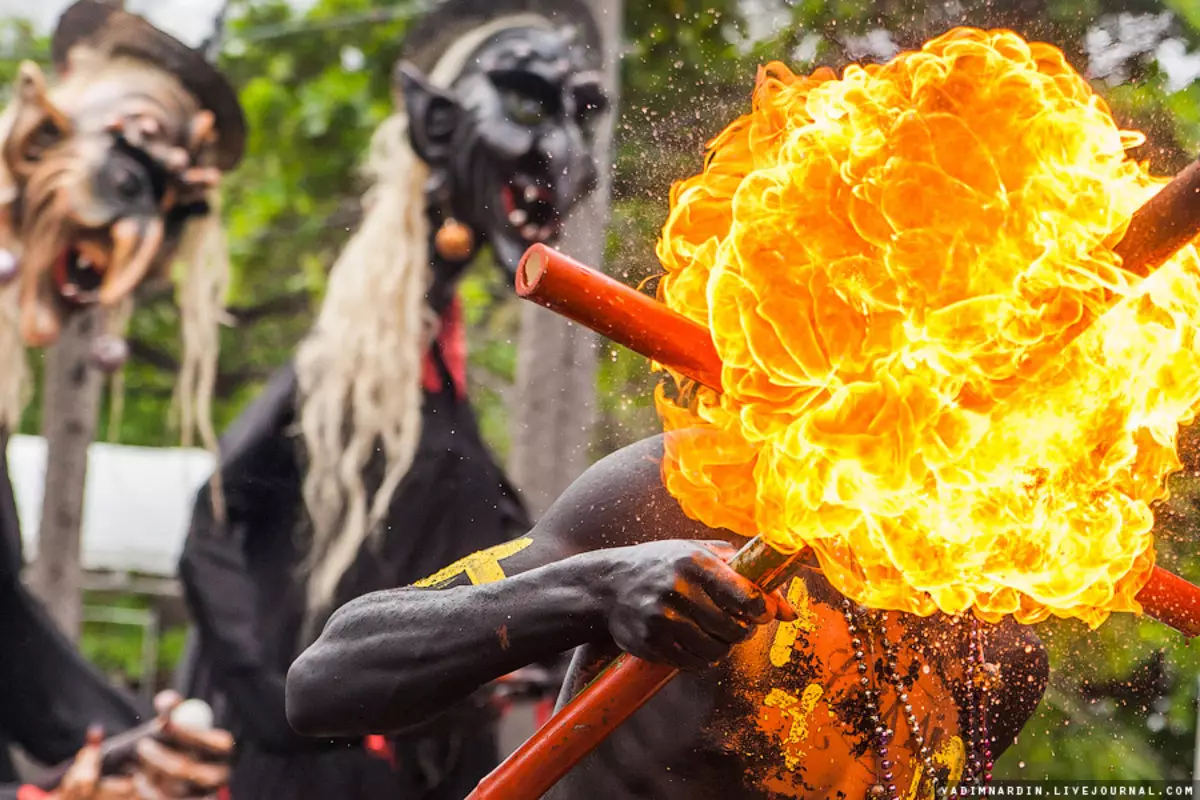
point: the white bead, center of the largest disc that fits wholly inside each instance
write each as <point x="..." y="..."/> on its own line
<point x="8" y="266"/>
<point x="194" y="714"/>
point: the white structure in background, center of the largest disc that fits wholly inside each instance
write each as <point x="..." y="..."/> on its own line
<point x="137" y="505"/>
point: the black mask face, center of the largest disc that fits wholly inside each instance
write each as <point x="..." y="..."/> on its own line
<point x="510" y="143"/>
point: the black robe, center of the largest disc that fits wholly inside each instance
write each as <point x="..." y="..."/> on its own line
<point x="51" y="694"/>
<point x="242" y="585"/>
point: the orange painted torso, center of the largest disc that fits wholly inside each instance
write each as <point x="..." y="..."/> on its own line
<point x="784" y="717"/>
<point x="797" y="710"/>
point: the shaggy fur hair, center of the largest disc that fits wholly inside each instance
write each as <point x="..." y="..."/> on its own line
<point x="201" y="270"/>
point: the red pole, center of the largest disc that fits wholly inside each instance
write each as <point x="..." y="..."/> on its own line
<point x="1172" y="601"/>
<point x="622" y="688"/>
<point x="1164" y="225"/>
<point x="618" y="312"/>
<point x="625" y="315"/>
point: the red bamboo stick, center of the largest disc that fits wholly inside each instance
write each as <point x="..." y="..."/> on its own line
<point x="1164" y="225"/>
<point x="564" y="285"/>
<point x="1172" y="601"/>
<point x="577" y="729"/>
<point x="1159" y="229"/>
<point x="628" y="683"/>
<point x="619" y="312"/>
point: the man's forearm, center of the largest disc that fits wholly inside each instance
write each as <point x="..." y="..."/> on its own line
<point x="393" y="659"/>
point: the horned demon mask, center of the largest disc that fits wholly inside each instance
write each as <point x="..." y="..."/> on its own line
<point x="508" y="141"/>
<point x="490" y="144"/>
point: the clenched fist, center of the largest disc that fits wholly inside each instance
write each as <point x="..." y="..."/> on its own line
<point x="173" y="758"/>
<point x="680" y="603"/>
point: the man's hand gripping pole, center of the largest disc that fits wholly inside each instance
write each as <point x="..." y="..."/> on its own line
<point x="624" y="686"/>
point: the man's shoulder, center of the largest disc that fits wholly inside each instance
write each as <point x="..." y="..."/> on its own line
<point x="621" y="501"/>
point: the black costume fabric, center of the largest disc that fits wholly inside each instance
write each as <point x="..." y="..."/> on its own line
<point x="51" y="693"/>
<point x="247" y="596"/>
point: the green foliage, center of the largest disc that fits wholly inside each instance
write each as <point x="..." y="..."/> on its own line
<point x="1076" y="735"/>
<point x="117" y="649"/>
<point x="18" y="42"/>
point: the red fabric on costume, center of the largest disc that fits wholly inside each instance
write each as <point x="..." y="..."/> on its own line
<point x="28" y="792"/>
<point x="543" y="711"/>
<point x="379" y="747"/>
<point x="452" y="341"/>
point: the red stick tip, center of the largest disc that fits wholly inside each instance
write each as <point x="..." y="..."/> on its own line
<point x="531" y="269"/>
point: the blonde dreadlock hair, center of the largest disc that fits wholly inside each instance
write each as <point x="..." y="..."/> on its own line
<point x="359" y="370"/>
<point x="14" y="370"/>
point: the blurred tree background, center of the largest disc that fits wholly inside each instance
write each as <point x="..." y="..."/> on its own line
<point x="1122" y="701"/>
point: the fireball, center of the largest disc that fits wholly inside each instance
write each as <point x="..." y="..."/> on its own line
<point x="937" y="374"/>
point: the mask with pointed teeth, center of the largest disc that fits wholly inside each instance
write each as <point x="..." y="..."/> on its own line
<point x="102" y="166"/>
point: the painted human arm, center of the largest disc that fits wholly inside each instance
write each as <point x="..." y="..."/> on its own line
<point x="258" y="469"/>
<point x="586" y="573"/>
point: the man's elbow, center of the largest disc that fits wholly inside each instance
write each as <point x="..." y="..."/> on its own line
<point x="336" y="687"/>
<point x="361" y="676"/>
<point x="311" y="697"/>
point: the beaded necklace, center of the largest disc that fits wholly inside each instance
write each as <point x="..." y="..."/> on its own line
<point x="978" y="766"/>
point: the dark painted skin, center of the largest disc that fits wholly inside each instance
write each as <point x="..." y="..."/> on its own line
<point x="615" y="564"/>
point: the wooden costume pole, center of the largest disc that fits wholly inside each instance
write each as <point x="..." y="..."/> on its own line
<point x="70" y="409"/>
<point x="554" y="410"/>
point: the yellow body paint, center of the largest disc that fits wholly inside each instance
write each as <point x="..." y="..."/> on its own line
<point x="796" y="713"/>
<point x="481" y="567"/>
<point x="786" y="632"/>
<point x="787" y="717"/>
<point x="951" y="755"/>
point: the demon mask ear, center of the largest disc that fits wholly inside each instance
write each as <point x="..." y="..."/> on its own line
<point x="433" y="115"/>
<point x="36" y="123"/>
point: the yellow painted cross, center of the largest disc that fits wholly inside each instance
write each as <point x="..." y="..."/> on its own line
<point x="481" y="567"/>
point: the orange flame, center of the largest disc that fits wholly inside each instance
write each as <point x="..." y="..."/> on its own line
<point x="884" y="261"/>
